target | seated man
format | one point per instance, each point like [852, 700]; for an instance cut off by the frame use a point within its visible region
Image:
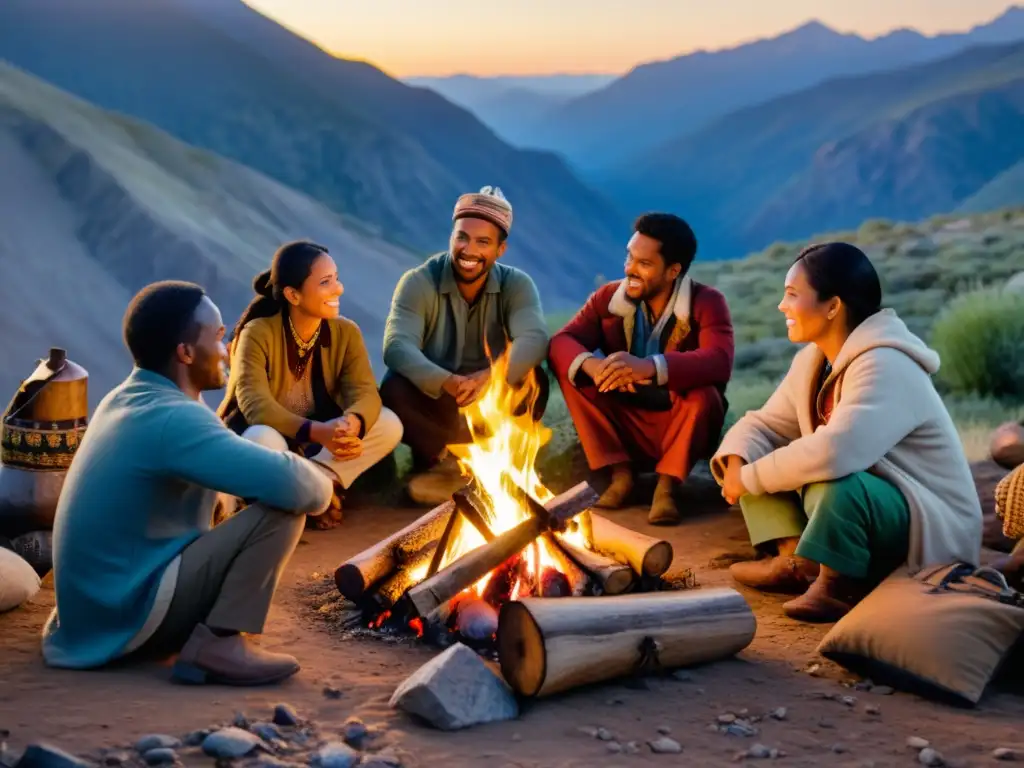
[449, 318]
[644, 364]
[135, 560]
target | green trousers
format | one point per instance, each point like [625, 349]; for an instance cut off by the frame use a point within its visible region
[859, 525]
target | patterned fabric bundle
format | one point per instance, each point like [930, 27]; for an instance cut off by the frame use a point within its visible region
[488, 204]
[1010, 503]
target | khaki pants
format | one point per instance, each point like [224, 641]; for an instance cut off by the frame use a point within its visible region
[228, 576]
[378, 442]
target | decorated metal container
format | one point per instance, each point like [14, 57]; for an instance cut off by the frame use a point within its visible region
[42, 428]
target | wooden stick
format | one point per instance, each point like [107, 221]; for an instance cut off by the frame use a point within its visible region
[388, 592]
[646, 555]
[614, 577]
[469, 504]
[575, 575]
[359, 573]
[442, 543]
[554, 644]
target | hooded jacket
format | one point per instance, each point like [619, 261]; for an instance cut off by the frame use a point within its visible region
[887, 419]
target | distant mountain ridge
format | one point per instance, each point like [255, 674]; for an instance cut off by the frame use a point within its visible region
[220, 76]
[659, 101]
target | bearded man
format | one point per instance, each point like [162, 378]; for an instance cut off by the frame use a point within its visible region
[449, 319]
[644, 364]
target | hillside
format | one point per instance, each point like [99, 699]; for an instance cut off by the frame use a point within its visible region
[220, 76]
[863, 140]
[1005, 189]
[660, 100]
[93, 206]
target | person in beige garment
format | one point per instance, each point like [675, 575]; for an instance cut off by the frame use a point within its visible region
[301, 378]
[854, 466]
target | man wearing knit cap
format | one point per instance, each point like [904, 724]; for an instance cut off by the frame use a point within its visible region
[449, 318]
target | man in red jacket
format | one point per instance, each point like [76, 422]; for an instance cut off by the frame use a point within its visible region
[644, 364]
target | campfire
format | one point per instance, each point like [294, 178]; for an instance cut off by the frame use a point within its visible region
[505, 544]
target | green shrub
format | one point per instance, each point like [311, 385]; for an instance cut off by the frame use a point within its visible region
[980, 338]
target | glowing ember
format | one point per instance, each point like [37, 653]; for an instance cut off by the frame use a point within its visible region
[502, 458]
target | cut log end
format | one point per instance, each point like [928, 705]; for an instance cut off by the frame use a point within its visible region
[618, 582]
[658, 559]
[521, 649]
[349, 580]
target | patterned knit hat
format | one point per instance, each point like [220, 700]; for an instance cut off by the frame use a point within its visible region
[1010, 503]
[488, 204]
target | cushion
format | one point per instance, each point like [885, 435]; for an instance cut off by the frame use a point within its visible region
[18, 580]
[942, 633]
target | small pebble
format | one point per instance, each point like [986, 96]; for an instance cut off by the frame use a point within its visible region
[929, 756]
[664, 730]
[605, 735]
[759, 752]
[266, 731]
[230, 742]
[838, 748]
[159, 756]
[156, 741]
[849, 700]
[334, 754]
[872, 709]
[1004, 754]
[683, 676]
[814, 670]
[240, 721]
[614, 747]
[779, 713]
[883, 690]
[116, 758]
[330, 692]
[727, 718]
[631, 748]
[826, 724]
[863, 685]
[355, 732]
[284, 714]
[665, 746]
[740, 728]
[195, 738]
[916, 742]
[381, 760]
[588, 730]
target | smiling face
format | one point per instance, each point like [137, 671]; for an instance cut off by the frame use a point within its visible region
[475, 245]
[320, 291]
[646, 273]
[206, 357]
[808, 319]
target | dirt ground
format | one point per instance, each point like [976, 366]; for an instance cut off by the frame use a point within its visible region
[83, 712]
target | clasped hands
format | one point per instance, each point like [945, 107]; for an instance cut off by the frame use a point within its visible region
[340, 436]
[620, 372]
[467, 389]
[732, 484]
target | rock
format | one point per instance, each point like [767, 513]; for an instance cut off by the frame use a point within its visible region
[849, 700]
[118, 757]
[814, 670]
[477, 619]
[929, 756]
[682, 676]
[588, 730]
[381, 760]
[778, 713]
[916, 742]
[456, 689]
[727, 718]
[159, 756]
[664, 730]
[230, 742]
[266, 731]
[665, 746]
[156, 741]
[603, 734]
[741, 728]
[838, 749]
[631, 748]
[883, 690]
[284, 714]
[334, 754]
[42, 755]
[759, 752]
[1004, 754]
[863, 685]
[330, 692]
[354, 732]
[241, 721]
[614, 747]
[195, 738]
[872, 709]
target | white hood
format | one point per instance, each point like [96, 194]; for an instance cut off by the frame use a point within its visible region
[886, 329]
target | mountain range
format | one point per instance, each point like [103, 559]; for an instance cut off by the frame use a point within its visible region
[218, 75]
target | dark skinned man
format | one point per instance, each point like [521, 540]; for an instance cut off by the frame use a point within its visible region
[450, 318]
[644, 364]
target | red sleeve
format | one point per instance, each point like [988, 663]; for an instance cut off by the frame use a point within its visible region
[581, 334]
[711, 363]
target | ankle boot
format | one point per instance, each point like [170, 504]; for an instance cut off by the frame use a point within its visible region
[621, 486]
[828, 599]
[231, 660]
[663, 508]
[786, 572]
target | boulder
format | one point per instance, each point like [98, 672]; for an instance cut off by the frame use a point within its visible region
[454, 690]
[1007, 445]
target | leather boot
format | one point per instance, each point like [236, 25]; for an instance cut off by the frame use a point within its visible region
[828, 599]
[437, 484]
[663, 508]
[231, 660]
[621, 486]
[784, 573]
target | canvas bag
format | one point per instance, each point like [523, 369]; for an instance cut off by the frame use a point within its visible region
[942, 633]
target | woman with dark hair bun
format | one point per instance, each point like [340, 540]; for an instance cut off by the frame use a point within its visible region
[301, 378]
[853, 467]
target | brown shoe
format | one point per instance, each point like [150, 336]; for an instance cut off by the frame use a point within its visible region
[788, 574]
[231, 660]
[618, 491]
[828, 599]
[436, 485]
[663, 508]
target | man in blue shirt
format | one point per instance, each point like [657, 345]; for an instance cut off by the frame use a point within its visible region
[136, 561]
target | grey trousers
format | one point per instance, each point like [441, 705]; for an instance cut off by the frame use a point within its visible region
[228, 576]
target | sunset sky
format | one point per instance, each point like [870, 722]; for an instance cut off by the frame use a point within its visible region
[441, 37]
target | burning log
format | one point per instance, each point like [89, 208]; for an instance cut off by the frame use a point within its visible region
[613, 576]
[424, 598]
[576, 579]
[388, 592]
[547, 646]
[357, 574]
[646, 555]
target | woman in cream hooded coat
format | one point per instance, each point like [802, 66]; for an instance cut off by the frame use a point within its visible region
[853, 467]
